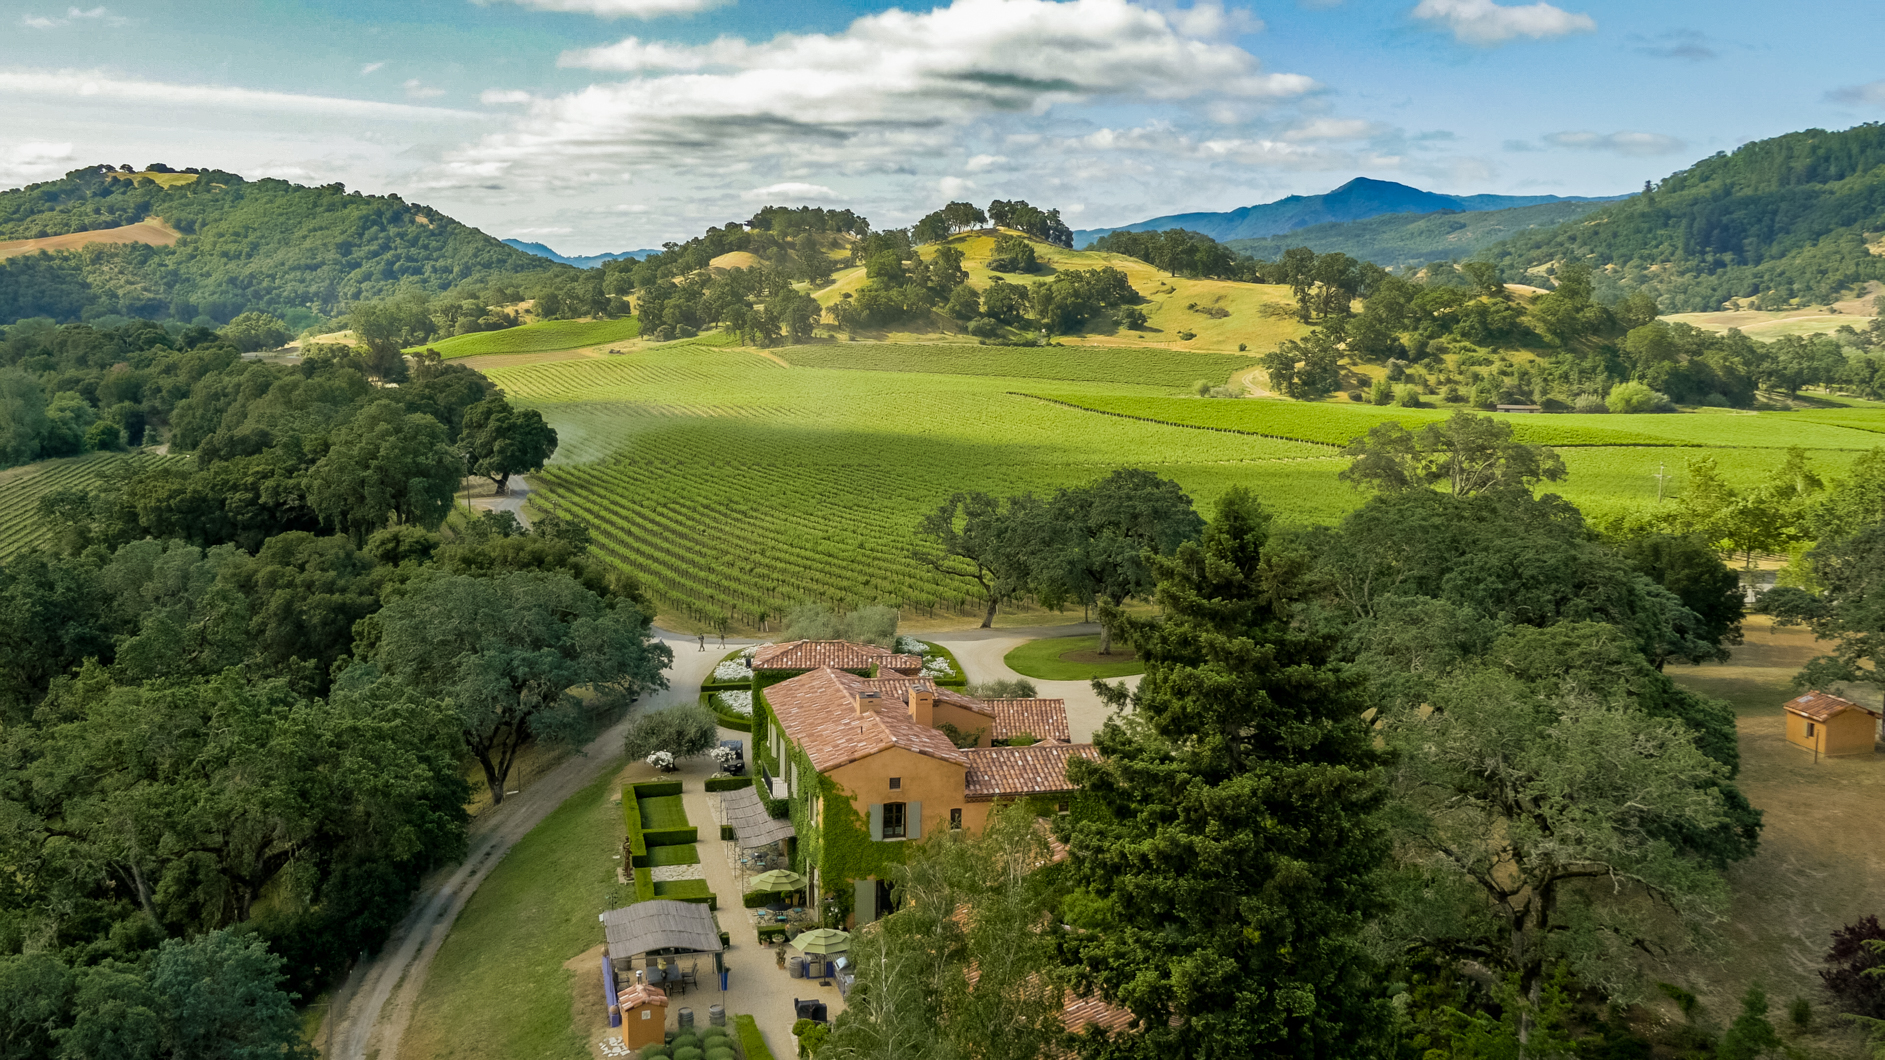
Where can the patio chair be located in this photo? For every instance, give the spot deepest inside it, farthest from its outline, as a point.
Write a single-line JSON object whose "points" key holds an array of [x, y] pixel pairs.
{"points": [[691, 977]]}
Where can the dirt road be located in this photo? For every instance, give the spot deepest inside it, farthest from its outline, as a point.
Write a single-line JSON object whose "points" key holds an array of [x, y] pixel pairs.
{"points": [[370, 1012]]}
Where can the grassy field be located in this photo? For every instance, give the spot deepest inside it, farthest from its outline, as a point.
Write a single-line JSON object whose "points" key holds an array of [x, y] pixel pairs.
{"points": [[1822, 848], [738, 484], [498, 988], [21, 487], [1069, 659], [537, 338]]}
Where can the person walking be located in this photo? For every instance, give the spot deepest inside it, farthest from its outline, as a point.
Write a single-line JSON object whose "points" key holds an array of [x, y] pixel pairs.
{"points": [[703, 642]]}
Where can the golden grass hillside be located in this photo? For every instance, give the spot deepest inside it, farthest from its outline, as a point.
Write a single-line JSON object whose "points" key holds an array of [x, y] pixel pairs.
{"points": [[1167, 299], [151, 230]]}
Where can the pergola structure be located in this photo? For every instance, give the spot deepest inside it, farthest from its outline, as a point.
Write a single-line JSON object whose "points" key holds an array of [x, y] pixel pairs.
{"points": [[658, 927], [748, 818]]}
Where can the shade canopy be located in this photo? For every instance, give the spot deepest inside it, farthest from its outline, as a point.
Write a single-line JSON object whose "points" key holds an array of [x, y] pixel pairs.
{"points": [[823, 940], [660, 924], [777, 880], [750, 822]]}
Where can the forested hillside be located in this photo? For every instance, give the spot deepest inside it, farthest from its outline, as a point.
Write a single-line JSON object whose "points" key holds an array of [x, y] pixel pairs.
{"points": [[1413, 239], [300, 253], [1791, 218]]}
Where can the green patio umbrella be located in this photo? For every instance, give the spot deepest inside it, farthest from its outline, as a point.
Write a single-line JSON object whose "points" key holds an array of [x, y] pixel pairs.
{"points": [[777, 880], [823, 940]]}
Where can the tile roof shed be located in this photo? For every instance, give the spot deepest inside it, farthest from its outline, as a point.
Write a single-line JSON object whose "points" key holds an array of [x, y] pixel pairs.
{"points": [[660, 924], [1823, 706]]}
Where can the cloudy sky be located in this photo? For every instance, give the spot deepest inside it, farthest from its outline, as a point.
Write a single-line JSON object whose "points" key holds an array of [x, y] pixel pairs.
{"points": [[597, 125]]}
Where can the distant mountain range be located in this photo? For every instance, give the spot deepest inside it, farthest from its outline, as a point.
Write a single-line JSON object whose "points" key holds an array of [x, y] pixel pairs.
{"points": [[1354, 201], [1414, 239], [586, 261]]}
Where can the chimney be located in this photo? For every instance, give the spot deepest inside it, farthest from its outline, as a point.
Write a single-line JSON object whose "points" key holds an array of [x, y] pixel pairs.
{"points": [[923, 706], [867, 703]]}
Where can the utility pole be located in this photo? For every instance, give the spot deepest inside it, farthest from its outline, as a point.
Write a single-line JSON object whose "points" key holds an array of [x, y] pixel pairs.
{"points": [[1660, 475]]}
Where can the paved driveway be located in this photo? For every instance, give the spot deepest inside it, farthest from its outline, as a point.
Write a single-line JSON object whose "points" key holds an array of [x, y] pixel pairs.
{"points": [[980, 652]]}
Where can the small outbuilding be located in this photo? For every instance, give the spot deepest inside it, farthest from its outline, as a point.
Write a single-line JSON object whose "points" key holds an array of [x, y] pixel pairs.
{"points": [[1828, 725], [644, 1015], [1517, 408]]}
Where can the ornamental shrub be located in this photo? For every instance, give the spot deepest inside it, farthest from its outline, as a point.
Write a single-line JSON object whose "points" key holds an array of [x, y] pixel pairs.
{"points": [[1635, 397], [1854, 977], [687, 1052], [720, 1053], [654, 1052], [686, 1040], [681, 731]]}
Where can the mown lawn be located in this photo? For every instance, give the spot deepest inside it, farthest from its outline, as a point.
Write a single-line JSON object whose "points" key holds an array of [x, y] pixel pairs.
{"points": [[497, 989], [1045, 659], [663, 811]]}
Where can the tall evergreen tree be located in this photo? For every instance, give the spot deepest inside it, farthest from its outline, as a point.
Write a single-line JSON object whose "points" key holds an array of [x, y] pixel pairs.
{"points": [[1229, 859]]}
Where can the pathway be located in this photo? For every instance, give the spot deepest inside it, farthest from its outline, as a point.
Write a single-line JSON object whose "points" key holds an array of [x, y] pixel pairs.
{"points": [[373, 1006], [512, 502], [980, 651]]}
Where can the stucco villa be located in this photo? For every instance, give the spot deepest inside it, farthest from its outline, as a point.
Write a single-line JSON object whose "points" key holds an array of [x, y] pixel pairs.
{"points": [[867, 762]]}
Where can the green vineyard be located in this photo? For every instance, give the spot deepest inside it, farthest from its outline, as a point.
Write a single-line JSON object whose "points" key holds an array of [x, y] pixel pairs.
{"points": [[736, 487], [21, 488]]}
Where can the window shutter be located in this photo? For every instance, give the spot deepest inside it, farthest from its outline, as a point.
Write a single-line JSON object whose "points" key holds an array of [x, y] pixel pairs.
{"points": [[864, 906], [877, 821], [913, 820]]}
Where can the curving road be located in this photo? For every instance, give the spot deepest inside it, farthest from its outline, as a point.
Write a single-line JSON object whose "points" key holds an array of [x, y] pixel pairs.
{"points": [[370, 1012], [981, 652]]}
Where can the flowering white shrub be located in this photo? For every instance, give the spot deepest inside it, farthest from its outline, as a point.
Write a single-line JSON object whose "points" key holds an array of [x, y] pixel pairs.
{"points": [[911, 646], [937, 666], [734, 670], [726, 756], [662, 760], [740, 703]]}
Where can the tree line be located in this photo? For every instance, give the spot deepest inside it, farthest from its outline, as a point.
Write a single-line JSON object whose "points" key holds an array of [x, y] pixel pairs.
{"points": [[239, 697], [1412, 784]]}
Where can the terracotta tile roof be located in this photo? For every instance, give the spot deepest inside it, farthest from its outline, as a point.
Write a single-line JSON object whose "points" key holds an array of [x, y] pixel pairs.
{"points": [[1040, 769], [838, 654], [1079, 1013], [818, 712], [1043, 719], [895, 687], [1821, 706], [642, 994]]}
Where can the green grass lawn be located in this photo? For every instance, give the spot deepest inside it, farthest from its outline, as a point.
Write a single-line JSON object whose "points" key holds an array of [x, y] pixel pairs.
{"points": [[497, 988], [537, 338], [673, 854], [1043, 659], [664, 811]]}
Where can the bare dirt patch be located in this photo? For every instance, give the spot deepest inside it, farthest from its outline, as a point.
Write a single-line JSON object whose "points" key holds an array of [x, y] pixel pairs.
{"points": [[151, 230]]}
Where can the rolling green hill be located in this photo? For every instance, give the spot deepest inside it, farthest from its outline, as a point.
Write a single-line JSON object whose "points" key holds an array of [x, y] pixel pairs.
{"points": [[1796, 217], [295, 251], [1415, 239]]}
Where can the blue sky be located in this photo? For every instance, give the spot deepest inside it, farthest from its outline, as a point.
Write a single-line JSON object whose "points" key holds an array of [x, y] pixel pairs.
{"points": [[610, 124]]}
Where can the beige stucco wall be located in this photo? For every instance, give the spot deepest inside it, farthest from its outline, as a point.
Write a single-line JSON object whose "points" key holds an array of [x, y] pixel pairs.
{"points": [[1850, 733], [937, 784], [966, 720]]}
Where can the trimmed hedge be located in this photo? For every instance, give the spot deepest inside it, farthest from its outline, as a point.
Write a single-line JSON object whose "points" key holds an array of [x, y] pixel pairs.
{"points": [[656, 789], [727, 833], [752, 1043], [726, 720], [667, 837], [728, 783], [755, 899], [695, 891]]}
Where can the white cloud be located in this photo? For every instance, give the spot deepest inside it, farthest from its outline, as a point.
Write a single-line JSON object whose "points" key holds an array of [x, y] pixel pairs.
{"points": [[1484, 22], [950, 187], [889, 93], [1640, 144], [1872, 94], [33, 160], [72, 14], [985, 162], [790, 189], [79, 86], [497, 97], [1336, 129], [1162, 139], [1209, 18], [624, 8], [369, 68], [415, 89]]}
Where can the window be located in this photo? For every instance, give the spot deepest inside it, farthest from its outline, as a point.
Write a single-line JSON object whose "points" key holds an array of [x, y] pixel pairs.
{"points": [[893, 820], [1061, 806], [1809, 730], [896, 783], [955, 819]]}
